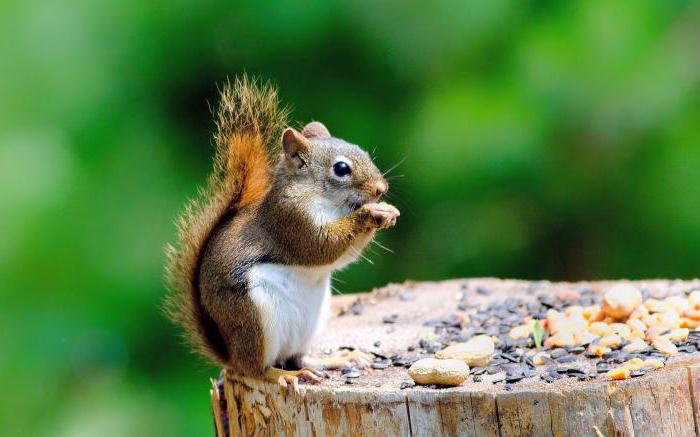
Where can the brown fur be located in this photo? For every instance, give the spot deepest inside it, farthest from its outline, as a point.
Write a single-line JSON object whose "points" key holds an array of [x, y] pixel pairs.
{"points": [[249, 121]]}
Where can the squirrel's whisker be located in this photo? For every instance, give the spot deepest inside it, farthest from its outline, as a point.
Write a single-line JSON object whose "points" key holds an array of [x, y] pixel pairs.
{"points": [[382, 246], [393, 167]]}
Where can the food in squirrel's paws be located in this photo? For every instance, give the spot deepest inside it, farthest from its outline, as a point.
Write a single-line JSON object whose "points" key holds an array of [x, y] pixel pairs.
{"points": [[382, 214], [250, 275]]}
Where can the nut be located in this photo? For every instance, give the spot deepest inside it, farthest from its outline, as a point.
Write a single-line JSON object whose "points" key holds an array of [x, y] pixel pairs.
{"points": [[522, 331], [636, 325], [693, 314], [441, 372], [539, 359], [664, 345], [600, 329], [621, 300], [635, 346], [694, 300], [669, 319], [612, 340], [598, 350], [566, 295], [622, 330], [653, 362], [586, 338], [656, 306], [590, 311], [561, 339], [677, 303], [633, 364], [574, 310], [570, 324], [689, 323], [678, 335], [476, 352], [619, 373]]}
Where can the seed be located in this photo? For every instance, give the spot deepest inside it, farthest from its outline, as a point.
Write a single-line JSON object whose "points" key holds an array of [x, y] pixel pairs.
{"points": [[407, 296], [357, 309], [556, 353], [352, 375], [566, 359], [407, 384], [382, 364], [483, 291], [390, 319]]}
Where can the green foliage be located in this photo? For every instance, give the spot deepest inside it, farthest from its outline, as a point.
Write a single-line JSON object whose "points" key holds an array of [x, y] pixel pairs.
{"points": [[550, 140]]}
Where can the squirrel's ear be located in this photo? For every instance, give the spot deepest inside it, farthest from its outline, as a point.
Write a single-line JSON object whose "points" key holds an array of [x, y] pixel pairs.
{"points": [[295, 144], [316, 129]]}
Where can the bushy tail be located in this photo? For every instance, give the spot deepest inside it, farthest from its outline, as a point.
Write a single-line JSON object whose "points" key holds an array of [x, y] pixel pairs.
{"points": [[249, 124]]}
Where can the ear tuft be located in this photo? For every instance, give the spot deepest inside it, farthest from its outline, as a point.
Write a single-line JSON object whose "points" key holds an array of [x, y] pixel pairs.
{"points": [[316, 129]]}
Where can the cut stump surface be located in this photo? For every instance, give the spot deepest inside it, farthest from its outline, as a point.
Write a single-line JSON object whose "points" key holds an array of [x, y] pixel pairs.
{"points": [[665, 402]]}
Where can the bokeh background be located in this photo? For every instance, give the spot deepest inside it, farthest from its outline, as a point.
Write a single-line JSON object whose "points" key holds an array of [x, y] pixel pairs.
{"points": [[538, 139]]}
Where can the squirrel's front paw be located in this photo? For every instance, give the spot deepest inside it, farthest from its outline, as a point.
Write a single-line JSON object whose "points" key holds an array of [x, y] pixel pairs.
{"points": [[381, 215]]}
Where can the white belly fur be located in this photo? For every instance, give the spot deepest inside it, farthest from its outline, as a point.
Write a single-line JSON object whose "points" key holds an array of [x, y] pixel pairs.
{"points": [[294, 301], [293, 304]]}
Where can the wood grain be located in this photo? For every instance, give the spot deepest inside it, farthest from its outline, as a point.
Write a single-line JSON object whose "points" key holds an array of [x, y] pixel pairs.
{"points": [[661, 403]]}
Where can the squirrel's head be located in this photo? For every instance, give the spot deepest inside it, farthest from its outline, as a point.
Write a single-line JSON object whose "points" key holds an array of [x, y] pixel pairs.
{"points": [[329, 172]]}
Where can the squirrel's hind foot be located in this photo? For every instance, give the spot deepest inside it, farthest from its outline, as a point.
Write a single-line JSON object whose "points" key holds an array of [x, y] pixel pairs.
{"points": [[285, 378]]}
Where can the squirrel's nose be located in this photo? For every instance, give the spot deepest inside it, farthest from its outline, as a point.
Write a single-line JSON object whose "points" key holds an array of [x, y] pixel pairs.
{"points": [[379, 189]]}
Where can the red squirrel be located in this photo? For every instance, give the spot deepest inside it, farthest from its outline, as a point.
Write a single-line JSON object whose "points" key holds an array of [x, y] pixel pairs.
{"points": [[250, 276]]}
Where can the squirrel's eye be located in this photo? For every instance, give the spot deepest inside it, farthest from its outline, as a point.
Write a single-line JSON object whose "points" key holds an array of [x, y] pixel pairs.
{"points": [[341, 169]]}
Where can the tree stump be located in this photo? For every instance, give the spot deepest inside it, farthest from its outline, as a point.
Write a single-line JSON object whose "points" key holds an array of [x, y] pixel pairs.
{"points": [[660, 403]]}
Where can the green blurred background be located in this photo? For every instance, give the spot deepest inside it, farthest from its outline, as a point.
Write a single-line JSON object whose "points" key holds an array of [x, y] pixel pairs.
{"points": [[541, 139]]}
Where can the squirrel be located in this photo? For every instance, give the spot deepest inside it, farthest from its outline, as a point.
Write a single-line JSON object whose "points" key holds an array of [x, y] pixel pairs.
{"points": [[250, 277]]}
